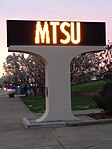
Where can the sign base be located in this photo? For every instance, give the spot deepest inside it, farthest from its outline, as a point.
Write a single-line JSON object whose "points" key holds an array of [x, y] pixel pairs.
{"points": [[57, 78], [30, 123]]}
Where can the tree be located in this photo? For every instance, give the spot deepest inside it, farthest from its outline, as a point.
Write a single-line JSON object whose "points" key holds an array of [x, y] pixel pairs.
{"points": [[36, 70], [12, 67], [108, 62], [94, 65], [83, 68], [104, 101], [29, 71], [1, 83]]}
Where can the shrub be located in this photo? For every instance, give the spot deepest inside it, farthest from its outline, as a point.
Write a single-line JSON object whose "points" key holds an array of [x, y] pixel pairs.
{"points": [[104, 100]]}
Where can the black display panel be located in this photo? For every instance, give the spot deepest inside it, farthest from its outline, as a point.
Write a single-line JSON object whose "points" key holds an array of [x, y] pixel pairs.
{"points": [[55, 33]]}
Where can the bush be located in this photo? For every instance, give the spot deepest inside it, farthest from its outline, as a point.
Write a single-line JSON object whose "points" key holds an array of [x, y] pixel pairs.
{"points": [[104, 101]]}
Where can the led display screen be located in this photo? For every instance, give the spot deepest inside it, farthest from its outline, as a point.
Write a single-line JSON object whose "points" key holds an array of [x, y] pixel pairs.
{"points": [[55, 33]]}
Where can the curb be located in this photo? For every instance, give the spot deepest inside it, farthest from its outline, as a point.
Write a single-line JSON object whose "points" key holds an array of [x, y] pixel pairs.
{"points": [[30, 123]]}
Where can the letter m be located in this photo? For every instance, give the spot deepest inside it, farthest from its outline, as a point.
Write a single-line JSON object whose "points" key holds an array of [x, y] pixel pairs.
{"points": [[42, 33]]}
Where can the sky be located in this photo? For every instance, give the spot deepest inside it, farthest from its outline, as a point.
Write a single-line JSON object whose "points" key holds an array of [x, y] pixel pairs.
{"points": [[61, 10]]}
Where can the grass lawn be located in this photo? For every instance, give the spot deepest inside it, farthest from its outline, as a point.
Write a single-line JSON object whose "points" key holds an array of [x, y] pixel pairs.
{"points": [[37, 103], [82, 102], [90, 86]]}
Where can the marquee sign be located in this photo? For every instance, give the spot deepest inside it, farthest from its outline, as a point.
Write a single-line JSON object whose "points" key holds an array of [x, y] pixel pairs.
{"points": [[55, 33]]}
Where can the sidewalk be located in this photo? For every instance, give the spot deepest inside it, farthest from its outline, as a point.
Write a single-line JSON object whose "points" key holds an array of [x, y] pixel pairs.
{"points": [[13, 134]]}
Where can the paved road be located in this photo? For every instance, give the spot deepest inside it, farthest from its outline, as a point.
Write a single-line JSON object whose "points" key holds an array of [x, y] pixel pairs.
{"points": [[13, 134], [3, 92]]}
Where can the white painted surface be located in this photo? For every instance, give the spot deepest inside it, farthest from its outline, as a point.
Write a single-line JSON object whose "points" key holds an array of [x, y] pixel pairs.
{"points": [[57, 61]]}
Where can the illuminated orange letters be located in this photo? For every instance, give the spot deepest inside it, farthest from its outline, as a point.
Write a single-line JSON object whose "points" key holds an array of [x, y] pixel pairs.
{"points": [[43, 34], [54, 29]]}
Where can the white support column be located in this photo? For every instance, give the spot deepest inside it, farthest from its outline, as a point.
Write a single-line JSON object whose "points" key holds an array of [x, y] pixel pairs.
{"points": [[58, 94]]}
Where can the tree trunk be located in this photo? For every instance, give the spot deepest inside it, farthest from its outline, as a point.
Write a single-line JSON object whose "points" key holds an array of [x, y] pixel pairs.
{"points": [[25, 89]]}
